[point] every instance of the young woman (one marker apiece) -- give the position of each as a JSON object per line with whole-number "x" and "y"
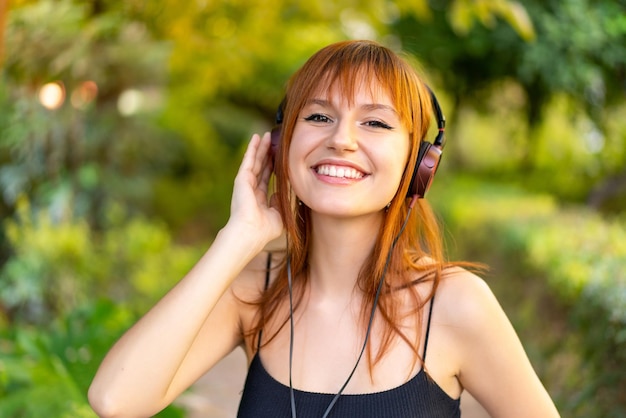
{"x": 359, "y": 315}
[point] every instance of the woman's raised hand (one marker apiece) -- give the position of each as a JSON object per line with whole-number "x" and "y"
{"x": 144, "y": 372}
{"x": 251, "y": 207}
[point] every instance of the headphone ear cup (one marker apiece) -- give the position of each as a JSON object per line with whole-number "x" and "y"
{"x": 276, "y": 134}
{"x": 275, "y": 142}
{"x": 428, "y": 160}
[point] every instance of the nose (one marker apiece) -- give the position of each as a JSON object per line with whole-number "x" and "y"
{"x": 344, "y": 136}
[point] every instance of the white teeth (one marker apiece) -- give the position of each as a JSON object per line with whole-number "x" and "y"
{"x": 341, "y": 172}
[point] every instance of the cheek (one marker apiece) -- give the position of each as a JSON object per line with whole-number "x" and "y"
{"x": 397, "y": 164}
{"x": 302, "y": 144}
{"x": 397, "y": 175}
{"x": 297, "y": 146}
{"x": 296, "y": 163}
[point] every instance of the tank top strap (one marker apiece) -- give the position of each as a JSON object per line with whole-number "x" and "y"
{"x": 430, "y": 315}
{"x": 268, "y": 265}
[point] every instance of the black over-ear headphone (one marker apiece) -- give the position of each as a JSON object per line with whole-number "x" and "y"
{"x": 428, "y": 157}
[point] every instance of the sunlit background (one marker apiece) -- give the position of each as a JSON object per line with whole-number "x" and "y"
{"x": 122, "y": 125}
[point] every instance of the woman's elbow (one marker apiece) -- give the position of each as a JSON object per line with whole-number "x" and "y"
{"x": 109, "y": 403}
{"x": 105, "y": 404}
{"x": 102, "y": 403}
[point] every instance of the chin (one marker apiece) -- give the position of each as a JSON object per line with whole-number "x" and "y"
{"x": 345, "y": 209}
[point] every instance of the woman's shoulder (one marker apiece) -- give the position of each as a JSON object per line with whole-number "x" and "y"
{"x": 487, "y": 354}
{"x": 466, "y": 319}
{"x": 465, "y": 300}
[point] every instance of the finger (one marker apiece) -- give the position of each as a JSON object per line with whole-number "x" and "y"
{"x": 249, "y": 156}
{"x": 266, "y": 141}
{"x": 264, "y": 178}
{"x": 262, "y": 156}
{"x": 256, "y": 153}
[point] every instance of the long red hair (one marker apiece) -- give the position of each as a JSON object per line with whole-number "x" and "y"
{"x": 343, "y": 66}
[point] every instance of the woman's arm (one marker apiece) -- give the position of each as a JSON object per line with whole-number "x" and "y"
{"x": 198, "y": 321}
{"x": 494, "y": 367}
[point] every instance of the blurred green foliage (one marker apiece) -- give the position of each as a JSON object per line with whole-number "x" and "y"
{"x": 45, "y": 371}
{"x": 58, "y": 264}
{"x": 576, "y": 258}
{"x": 83, "y": 154}
{"x": 543, "y": 111}
{"x": 68, "y": 292}
{"x": 108, "y": 196}
{"x": 55, "y": 367}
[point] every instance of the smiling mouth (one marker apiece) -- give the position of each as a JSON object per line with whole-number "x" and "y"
{"x": 338, "y": 171}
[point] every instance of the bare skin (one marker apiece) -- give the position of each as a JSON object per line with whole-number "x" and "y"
{"x": 472, "y": 345}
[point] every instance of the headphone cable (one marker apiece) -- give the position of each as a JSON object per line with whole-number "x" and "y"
{"x": 367, "y": 332}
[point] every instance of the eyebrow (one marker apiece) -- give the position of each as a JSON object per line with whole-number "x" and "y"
{"x": 368, "y": 106}
{"x": 378, "y": 106}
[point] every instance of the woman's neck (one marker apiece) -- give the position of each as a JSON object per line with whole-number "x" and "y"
{"x": 339, "y": 248}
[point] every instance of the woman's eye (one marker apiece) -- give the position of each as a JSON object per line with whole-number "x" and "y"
{"x": 317, "y": 117}
{"x": 378, "y": 124}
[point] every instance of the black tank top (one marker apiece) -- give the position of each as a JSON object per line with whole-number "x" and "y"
{"x": 420, "y": 397}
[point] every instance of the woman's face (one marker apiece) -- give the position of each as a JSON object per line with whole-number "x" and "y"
{"x": 348, "y": 159}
